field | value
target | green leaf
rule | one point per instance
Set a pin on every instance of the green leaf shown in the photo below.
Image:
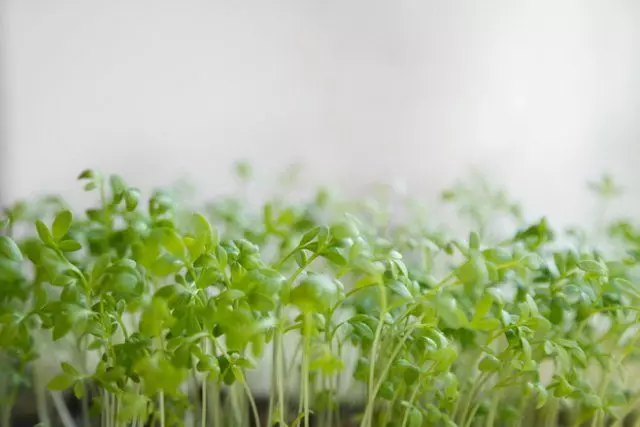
(617, 398)
(531, 261)
(591, 266)
(44, 233)
(489, 363)
(401, 290)
(78, 389)
(336, 256)
(131, 198)
(301, 258)
(486, 325)
(166, 265)
(592, 401)
(202, 227)
(87, 174)
(497, 255)
(450, 313)
(363, 330)
(482, 307)
(474, 241)
(61, 382)
(542, 396)
(173, 243)
(309, 236)
(561, 263)
(315, 293)
(61, 224)
(69, 246)
(133, 406)
(62, 326)
(472, 273)
(345, 229)
(415, 418)
(9, 249)
(118, 187)
(556, 311)
(69, 370)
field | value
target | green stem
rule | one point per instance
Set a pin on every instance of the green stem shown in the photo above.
(85, 407)
(216, 406)
(305, 366)
(203, 409)
(388, 413)
(524, 403)
(237, 406)
(161, 398)
(551, 415)
(472, 395)
(599, 416)
(41, 397)
(368, 415)
(628, 409)
(327, 380)
(472, 414)
(412, 399)
(242, 380)
(338, 387)
(252, 403)
(103, 412)
(277, 371)
(367, 418)
(492, 410)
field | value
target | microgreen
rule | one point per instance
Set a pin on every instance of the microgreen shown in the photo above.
(162, 316)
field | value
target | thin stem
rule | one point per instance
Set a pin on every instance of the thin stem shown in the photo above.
(369, 409)
(103, 417)
(85, 407)
(252, 402)
(114, 410)
(338, 384)
(475, 389)
(327, 379)
(551, 415)
(63, 411)
(203, 413)
(216, 406)
(305, 366)
(41, 397)
(161, 398)
(387, 414)
(628, 409)
(412, 399)
(492, 410)
(367, 420)
(472, 414)
(278, 368)
(236, 405)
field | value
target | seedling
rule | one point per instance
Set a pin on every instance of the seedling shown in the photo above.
(161, 314)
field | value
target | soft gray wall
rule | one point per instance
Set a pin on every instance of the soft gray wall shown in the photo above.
(544, 94)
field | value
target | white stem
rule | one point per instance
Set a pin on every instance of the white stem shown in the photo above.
(63, 411)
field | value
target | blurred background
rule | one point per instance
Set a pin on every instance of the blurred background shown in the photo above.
(542, 94)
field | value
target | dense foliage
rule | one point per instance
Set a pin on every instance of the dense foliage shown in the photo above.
(159, 314)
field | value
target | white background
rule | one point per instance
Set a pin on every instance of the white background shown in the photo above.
(543, 94)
